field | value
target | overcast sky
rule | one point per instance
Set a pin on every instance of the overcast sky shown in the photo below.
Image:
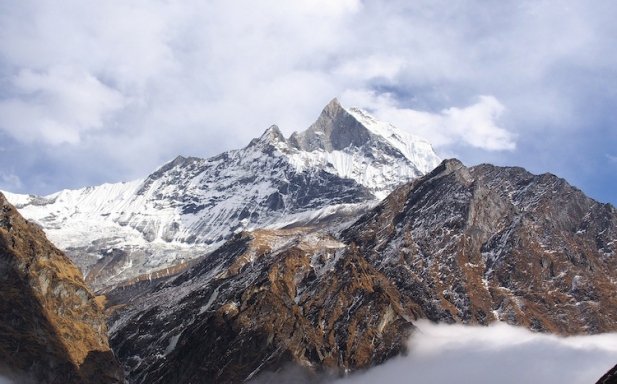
(107, 91)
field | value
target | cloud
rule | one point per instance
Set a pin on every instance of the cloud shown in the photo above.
(10, 181)
(611, 158)
(109, 82)
(56, 106)
(496, 354)
(475, 125)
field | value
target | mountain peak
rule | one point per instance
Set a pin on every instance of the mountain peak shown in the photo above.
(333, 106)
(272, 134)
(335, 129)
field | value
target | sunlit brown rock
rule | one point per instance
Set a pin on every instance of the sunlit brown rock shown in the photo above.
(51, 327)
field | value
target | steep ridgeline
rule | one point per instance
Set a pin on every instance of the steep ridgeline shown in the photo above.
(52, 330)
(470, 245)
(488, 243)
(265, 300)
(339, 166)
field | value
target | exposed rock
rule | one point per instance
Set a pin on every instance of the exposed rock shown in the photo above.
(335, 129)
(487, 243)
(265, 300)
(471, 245)
(51, 327)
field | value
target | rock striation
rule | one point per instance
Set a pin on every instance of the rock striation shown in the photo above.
(52, 328)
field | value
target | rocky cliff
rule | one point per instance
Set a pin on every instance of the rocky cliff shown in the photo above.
(487, 243)
(609, 377)
(52, 328)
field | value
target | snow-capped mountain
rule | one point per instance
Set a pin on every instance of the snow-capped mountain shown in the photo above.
(343, 163)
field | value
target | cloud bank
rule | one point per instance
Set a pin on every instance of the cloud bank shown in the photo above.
(496, 354)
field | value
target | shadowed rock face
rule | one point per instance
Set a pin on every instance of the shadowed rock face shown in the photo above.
(51, 327)
(280, 297)
(487, 243)
(335, 129)
(609, 377)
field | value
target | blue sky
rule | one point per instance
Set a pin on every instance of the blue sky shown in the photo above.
(108, 91)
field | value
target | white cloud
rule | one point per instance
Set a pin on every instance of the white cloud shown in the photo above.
(56, 106)
(496, 354)
(10, 182)
(475, 125)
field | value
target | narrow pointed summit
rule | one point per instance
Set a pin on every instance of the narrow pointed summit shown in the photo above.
(272, 134)
(335, 129)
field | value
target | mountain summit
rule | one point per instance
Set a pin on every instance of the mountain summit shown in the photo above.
(335, 129)
(345, 162)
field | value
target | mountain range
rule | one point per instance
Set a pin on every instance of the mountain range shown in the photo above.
(467, 245)
(341, 165)
(318, 253)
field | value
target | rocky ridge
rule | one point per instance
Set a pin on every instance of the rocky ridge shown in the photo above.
(267, 299)
(52, 328)
(487, 243)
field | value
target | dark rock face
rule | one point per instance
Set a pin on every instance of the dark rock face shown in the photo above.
(609, 377)
(277, 298)
(335, 129)
(51, 327)
(487, 243)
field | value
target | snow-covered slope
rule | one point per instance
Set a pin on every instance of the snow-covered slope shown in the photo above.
(341, 165)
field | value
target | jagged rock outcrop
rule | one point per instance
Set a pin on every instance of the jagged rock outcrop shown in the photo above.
(52, 329)
(265, 300)
(487, 243)
(333, 171)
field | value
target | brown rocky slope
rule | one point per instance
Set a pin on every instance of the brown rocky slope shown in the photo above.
(469, 245)
(52, 330)
(265, 300)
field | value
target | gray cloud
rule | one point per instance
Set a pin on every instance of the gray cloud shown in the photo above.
(131, 84)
